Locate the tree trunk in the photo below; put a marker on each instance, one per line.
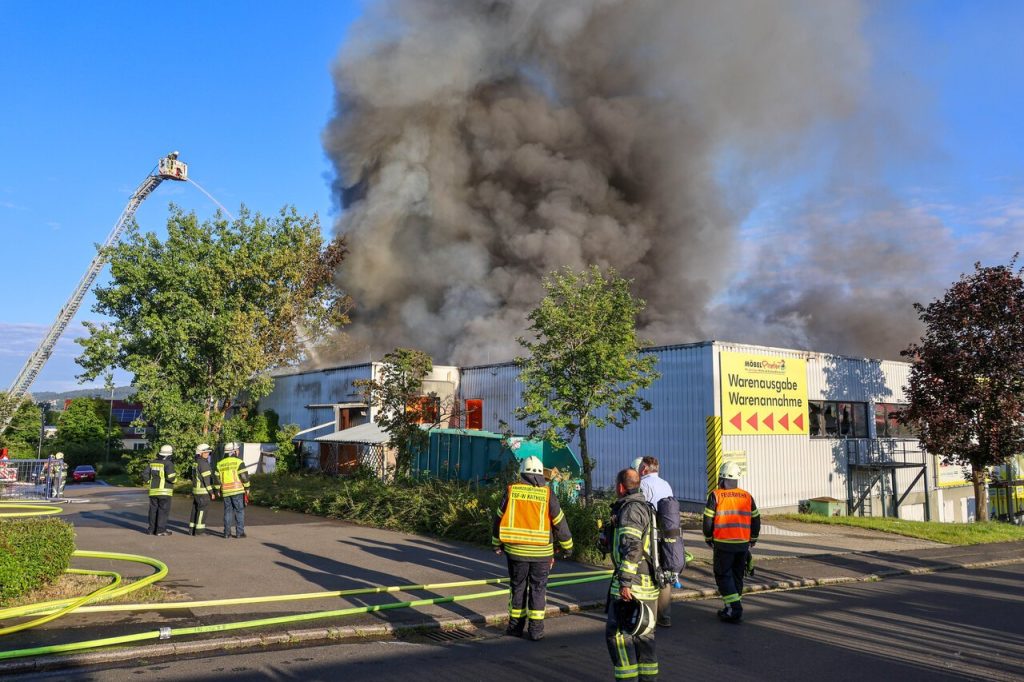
(980, 493)
(588, 467)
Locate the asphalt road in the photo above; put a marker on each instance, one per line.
(965, 624)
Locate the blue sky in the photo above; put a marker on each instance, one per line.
(94, 93)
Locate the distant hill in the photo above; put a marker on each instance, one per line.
(120, 393)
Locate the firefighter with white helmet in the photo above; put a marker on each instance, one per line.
(232, 482)
(526, 519)
(161, 477)
(731, 526)
(202, 489)
(58, 470)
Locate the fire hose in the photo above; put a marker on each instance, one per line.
(48, 611)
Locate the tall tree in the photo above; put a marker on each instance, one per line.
(396, 393)
(200, 317)
(966, 385)
(21, 438)
(82, 432)
(584, 367)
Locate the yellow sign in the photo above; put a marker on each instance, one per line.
(763, 395)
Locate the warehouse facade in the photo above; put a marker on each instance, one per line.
(802, 425)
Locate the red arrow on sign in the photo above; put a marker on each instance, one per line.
(799, 421)
(768, 421)
(753, 421)
(737, 421)
(784, 421)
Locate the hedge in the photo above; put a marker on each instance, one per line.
(33, 553)
(447, 509)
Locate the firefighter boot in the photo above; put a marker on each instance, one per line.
(732, 613)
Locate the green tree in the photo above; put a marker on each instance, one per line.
(22, 437)
(966, 384)
(584, 367)
(82, 432)
(402, 406)
(200, 317)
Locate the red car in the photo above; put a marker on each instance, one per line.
(83, 473)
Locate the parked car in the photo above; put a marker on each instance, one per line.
(83, 473)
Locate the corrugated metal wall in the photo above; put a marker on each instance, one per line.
(293, 392)
(782, 470)
(673, 431)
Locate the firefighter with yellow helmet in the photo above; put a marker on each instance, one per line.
(731, 526)
(523, 526)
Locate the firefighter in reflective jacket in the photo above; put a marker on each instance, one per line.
(233, 485)
(731, 526)
(633, 655)
(161, 486)
(202, 489)
(528, 515)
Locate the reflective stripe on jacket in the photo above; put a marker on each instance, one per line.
(632, 517)
(161, 478)
(202, 477)
(231, 477)
(732, 515)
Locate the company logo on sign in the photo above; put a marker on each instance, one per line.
(763, 395)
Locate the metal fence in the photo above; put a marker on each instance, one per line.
(32, 479)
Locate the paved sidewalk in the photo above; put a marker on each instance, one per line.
(294, 553)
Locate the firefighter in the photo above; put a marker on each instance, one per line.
(632, 649)
(523, 526)
(202, 489)
(58, 475)
(232, 482)
(731, 526)
(161, 486)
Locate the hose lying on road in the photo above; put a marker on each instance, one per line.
(56, 608)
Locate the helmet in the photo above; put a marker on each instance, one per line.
(533, 465)
(166, 451)
(635, 617)
(58, 455)
(203, 447)
(230, 447)
(730, 471)
(636, 463)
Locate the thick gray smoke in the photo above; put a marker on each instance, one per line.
(485, 144)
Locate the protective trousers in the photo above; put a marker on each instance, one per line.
(159, 511)
(665, 606)
(632, 657)
(234, 515)
(197, 522)
(728, 567)
(528, 586)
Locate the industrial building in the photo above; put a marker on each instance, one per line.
(802, 425)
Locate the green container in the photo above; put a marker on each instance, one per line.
(472, 455)
(824, 506)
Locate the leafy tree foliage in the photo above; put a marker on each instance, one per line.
(584, 367)
(966, 384)
(200, 317)
(402, 406)
(22, 437)
(82, 432)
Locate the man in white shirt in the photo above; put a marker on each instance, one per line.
(655, 488)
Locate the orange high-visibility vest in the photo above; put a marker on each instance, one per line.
(526, 520)
(732, 515)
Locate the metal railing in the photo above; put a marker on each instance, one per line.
(32, 479)
(866, 452)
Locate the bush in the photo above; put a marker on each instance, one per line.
(33, 552)
(110, 469)
(449, 509)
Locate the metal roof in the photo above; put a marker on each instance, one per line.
(364, 433)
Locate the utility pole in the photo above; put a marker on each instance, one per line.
(110, 413)
(42, 429)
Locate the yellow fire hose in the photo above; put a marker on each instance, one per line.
(57, 608)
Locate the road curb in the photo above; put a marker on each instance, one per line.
(145, 654)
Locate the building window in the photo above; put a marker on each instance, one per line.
(425, 409)
(832, 419)
(887, 423)
(475, 414)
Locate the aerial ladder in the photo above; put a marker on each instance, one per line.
(168, 168)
